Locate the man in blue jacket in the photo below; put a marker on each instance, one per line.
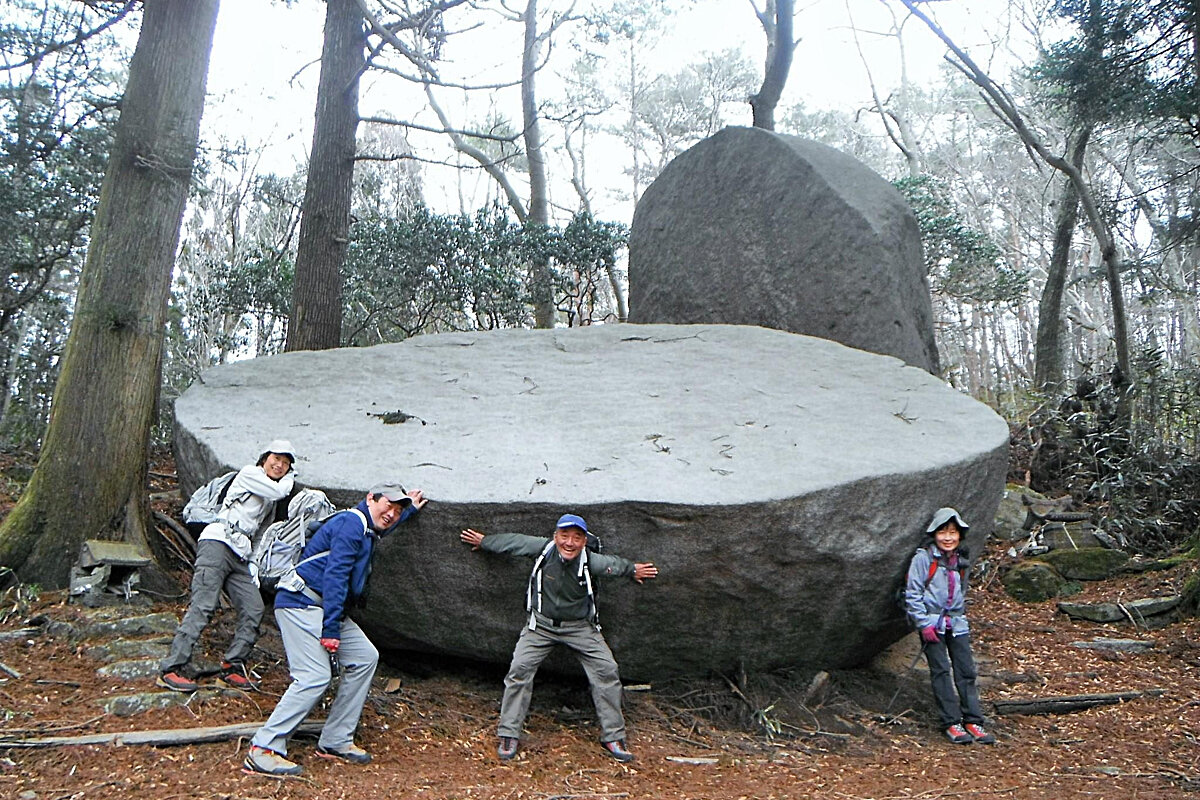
(310, 607)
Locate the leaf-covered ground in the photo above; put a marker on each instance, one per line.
(431, 725)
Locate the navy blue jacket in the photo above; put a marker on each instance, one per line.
(340, 576)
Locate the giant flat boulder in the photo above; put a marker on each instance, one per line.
(752, 227)
(780, 482)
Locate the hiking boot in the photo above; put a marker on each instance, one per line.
(261, 761)
(958, 734)
(979, 734)
(617, 750)
(175, 682)
(352, 753)
(236, 676)
(508, 747)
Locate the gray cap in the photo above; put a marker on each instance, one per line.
(944, 515)
(394, 492)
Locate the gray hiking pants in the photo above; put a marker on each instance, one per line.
(308, 662)
(952, 675)
(598, 663)
(217, 568)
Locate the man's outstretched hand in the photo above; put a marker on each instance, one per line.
(642, 572)
(473, 538)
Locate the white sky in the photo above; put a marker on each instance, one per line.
(264, 73)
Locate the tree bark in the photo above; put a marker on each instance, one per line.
(90, 477)
(776, 18)
(1048, 350)
(541, 283)
(316, 321)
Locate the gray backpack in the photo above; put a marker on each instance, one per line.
(277, 553)
(208, 499)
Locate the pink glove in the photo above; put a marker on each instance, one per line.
(331, 644)
(929, 634)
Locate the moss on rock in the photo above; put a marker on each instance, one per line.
(1086, 563)
(1034, 581)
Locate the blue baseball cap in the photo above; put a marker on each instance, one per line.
(572, 521)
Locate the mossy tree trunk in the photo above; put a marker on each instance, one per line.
(91, 474)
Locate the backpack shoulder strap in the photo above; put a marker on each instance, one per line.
(933, 565)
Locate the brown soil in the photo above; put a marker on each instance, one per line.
(871, 736)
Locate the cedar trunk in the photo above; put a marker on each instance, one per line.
(316, 319)
(91, 474)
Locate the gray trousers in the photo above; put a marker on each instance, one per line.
(217, 568)
(308, 662)
(952, 675)
(588, 645)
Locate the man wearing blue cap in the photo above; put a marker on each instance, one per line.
(561, 602)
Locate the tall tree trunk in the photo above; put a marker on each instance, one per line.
(90, 478)
(541, 283)
(1048, 351)
(316, 321)
(776, 18)
(1002, 105)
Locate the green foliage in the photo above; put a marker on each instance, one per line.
(1125, 60)
(962, 262)
(427, 272)
(57, 111)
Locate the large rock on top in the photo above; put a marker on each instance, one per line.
(752, 227)
(780, 482)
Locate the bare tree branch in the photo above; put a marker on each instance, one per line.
(480, 157)
(430, 129)
(1008, 110)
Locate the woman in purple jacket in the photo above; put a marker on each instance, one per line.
(935, 597)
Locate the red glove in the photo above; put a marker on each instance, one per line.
(928, 633)
(332, 644)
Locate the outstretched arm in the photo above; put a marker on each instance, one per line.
(473, 538)
(642, 572)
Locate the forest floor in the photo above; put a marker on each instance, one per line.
(431, 725)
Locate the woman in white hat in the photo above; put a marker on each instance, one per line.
(223, 562)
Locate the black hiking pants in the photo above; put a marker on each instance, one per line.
(952, 674)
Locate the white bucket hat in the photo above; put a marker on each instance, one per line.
(944, 515)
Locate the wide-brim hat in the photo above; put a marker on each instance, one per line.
(944, 515)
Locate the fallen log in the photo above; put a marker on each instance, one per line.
(1069, 703)
(157, 738)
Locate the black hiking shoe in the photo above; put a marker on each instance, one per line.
(235, 676)
(617, 750)
(508, 747)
